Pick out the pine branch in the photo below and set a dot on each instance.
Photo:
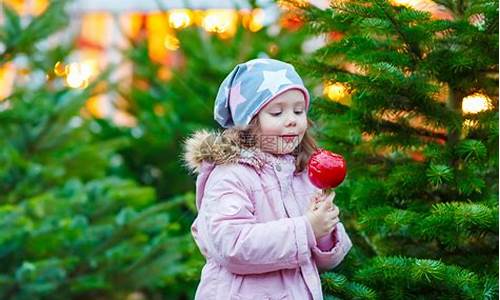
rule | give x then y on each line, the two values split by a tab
414	48
411	275
376	126
339	285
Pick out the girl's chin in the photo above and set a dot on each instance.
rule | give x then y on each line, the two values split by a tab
280	151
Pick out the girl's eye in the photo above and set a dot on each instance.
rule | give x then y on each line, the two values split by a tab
275	114
299	112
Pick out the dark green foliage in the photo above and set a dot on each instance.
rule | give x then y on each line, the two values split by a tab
69	227
421	195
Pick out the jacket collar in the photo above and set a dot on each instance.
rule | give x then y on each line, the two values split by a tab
219	148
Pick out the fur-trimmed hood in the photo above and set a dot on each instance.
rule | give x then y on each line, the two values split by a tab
223	147
219	147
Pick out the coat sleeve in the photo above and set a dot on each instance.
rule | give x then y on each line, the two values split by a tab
244	246
329	251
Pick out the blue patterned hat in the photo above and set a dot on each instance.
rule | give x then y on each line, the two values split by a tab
250	86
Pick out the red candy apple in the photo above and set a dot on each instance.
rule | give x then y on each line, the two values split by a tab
326	170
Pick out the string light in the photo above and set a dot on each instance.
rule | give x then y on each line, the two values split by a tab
476	103
180	18
97	106
410	3
156	24
254	21
78	74
222	21
7	77
60	69
338	92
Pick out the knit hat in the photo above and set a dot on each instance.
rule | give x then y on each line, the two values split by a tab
250	86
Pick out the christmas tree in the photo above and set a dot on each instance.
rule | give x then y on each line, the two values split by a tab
415	112
70	227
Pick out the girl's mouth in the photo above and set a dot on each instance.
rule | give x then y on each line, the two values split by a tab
288	138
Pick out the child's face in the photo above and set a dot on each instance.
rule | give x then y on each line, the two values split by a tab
282	123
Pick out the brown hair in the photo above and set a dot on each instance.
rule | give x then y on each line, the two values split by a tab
247	138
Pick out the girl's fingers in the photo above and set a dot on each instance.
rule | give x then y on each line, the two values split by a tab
330	204
325	205
329	197
333	209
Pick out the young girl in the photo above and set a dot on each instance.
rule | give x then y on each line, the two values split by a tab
263	228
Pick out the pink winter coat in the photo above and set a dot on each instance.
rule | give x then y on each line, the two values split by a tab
251	226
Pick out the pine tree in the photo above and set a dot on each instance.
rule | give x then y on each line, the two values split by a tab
421	197
69	227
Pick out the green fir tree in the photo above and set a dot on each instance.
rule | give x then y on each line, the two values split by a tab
421	197
70	227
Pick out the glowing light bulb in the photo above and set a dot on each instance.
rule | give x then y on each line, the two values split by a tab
476	103
180	18
59	69
219	20
338	92
256	20
78	74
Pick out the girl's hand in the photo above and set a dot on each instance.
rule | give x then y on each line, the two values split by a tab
321	196
323	214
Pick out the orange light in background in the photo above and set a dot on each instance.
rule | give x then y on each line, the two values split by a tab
180	18
159	110
476	103
95	31
253	20
132	24
291	4
291	21
39	6
273	49
96	106
407	3
198	16
23	7
335	36
221	21
18	5
164	73
157	32
338	92
172	42
257	21
437	11
60	69
7	76
78	74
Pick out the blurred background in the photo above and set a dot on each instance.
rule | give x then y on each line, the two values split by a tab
97	97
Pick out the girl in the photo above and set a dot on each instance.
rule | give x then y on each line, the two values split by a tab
263	228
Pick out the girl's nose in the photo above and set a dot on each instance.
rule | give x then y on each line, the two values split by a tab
291	122
291	119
